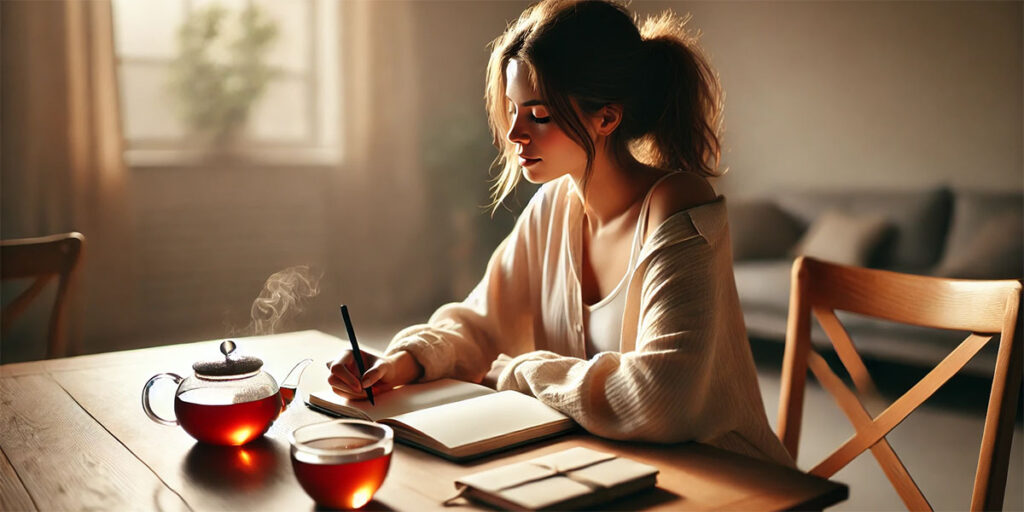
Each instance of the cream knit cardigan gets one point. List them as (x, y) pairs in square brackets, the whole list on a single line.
[(684, 370)]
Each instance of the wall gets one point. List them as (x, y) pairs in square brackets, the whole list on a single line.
[(866, 94)]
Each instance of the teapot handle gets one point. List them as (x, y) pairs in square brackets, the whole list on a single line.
[(145, 398)]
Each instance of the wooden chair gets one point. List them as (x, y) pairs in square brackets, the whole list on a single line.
[(983, 308), (41, 258)]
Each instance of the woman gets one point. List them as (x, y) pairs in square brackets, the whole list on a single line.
[(613, 298)]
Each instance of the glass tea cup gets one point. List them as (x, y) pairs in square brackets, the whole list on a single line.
[(341, 463)]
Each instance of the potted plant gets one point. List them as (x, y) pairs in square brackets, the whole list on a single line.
[(221, 71)]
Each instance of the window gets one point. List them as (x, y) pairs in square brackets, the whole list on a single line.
[(294, 120)]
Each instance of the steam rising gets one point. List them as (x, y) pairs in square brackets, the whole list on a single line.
[(283, 297)]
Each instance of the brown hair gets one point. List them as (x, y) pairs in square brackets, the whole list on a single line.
[(590, 53)]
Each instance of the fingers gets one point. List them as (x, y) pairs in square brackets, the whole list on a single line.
[(344, 373), (343, 390), (378, 371)]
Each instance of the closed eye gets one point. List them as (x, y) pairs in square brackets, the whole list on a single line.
[(540, 120)]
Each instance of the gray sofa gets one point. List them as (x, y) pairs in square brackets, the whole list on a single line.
[(942, 232)]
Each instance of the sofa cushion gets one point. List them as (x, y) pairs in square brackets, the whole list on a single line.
[(842, 237), (761, 230), (918, 219), (764, 283), (986, 240)]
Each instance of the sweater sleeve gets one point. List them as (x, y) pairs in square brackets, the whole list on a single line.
[(664, 391), (461, 339)]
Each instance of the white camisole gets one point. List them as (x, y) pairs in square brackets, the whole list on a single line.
[(603, 320)]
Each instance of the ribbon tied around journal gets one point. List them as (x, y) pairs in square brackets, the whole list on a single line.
[(523, 473)]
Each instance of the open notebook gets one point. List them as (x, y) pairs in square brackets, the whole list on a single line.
[(454, 419)]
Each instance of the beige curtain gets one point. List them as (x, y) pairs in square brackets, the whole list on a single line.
[(380, 252), (62, 151)]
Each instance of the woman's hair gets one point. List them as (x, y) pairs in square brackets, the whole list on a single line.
[(590, 53)]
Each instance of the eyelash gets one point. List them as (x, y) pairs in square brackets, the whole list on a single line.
[(535, 119)]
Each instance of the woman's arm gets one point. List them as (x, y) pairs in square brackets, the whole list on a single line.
[(461, 339), (667, 389)]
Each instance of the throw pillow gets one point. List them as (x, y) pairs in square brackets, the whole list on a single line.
[(761, 230), (842, 237), (918, 220)]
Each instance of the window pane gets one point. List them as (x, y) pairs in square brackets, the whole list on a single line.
[(147, 28), (147, 105), (299, 107), (282, 114), (291, 49), (230, 5)]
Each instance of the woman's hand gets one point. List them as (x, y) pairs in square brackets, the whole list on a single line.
[(383, 373), (497, 366)]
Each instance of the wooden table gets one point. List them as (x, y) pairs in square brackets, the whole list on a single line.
[(74, 437)]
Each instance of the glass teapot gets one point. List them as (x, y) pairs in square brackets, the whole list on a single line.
[(229, 401)]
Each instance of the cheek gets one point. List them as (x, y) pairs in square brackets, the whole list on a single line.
[(557, 145)]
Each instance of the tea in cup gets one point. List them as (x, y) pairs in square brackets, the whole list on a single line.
[(341, 463)]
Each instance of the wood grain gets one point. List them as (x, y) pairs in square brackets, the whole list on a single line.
[(955, 304), (287, 345), (255, 476), (13, 495), (693, 476), (65, 459)]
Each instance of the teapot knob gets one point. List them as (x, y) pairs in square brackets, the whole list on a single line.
[(227, 347)]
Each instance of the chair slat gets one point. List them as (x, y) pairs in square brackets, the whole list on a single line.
[(903, 406), (42, 258), (955, 304), (891, 464), (847, 352), (794, 365), (990, 479), (22, 301)]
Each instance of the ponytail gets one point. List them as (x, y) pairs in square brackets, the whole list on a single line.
[(680, 100)]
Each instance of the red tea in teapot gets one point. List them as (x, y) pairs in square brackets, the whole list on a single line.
[(335, 482), (287, 395), (232, 424)]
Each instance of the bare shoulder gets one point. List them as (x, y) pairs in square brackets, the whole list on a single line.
[(674, 194)]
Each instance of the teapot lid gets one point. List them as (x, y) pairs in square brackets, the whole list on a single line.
[(229, 366)]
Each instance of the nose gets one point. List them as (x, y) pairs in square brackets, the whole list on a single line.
[(516, 134)]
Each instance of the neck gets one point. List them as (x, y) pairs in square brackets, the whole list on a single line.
[(613, 190)]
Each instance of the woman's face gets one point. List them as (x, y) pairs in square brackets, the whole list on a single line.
[(545, 151)]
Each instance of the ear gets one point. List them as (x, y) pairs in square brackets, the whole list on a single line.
[(606, 120)]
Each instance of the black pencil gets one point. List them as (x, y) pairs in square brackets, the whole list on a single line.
[(355, 349)]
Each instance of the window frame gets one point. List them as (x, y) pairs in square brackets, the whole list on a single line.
[(314, 149)]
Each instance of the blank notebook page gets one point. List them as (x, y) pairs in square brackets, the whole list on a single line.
[(411, 397), (481, 418)]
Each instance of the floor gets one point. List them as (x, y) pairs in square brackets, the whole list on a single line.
[(938, 443)]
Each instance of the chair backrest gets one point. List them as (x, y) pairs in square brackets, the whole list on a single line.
[(41, 259), (983, 308)]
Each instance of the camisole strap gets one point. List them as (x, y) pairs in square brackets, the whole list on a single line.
[(634, 252), (641, 222)]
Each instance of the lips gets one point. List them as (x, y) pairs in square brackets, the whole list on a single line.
[(527, 161)]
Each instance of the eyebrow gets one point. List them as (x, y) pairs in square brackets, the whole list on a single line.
[(529, 103)]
